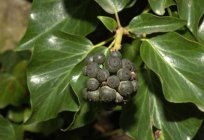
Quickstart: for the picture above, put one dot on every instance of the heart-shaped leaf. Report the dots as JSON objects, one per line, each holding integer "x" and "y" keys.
{"x": 151, "y": 117}
{"x": 71, "y": 16}
{"x": 158, "y": 6}
{"x": 192, "y": 11}
{"x": 50, "y": 71}
{"x": 110, "y": 23}
{"x": 179, "y": 64}
{"x": 113, "y": 6}
{"x": 9, "y": 131}
{"x": 148, "y": 23}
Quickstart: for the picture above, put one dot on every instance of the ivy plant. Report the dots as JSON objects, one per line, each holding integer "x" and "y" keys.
{"x": 164, "y": 39}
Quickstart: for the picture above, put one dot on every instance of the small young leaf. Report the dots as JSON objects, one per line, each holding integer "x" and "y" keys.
{"x": 179, "y": 64}
{"x": 158, "y": 6}
{"x": 110, "y": 23}
{"x": 112, "y": 6}
{"x": 148, "y": 23}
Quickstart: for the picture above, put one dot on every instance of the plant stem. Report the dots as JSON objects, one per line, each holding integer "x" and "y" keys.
{"x": 104, "y": 42}
{"x": 169, "y": 11}
{"x": 118, "y": 39}
{"x": 117, "y": 19}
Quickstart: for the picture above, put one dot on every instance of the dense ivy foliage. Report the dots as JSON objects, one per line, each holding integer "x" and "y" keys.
{"x": 164, "y": 39}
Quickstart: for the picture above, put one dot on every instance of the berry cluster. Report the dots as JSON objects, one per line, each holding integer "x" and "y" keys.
{"x": 110, "y": 79}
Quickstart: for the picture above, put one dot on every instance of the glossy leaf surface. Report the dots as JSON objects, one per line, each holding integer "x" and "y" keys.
{"x": 110, "y": 23}
{"x": 191, "y": 11}
{"x": 54, "y": 58}
{"x": 179, "y": 64}
{"x": 71, "y": 16}
{"x": 112, "y": 6}
{"x": 148, "y": 23}
{"x": 151, "y": 117}
{"x": 158, "y": 6}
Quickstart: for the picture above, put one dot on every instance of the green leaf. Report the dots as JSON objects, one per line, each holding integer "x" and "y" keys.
{"x": 71, "y": 16}
{"x": 179, "y": 64}
{"x": 191, "y": 11}
{"x": 158, "y": 6}
{"x": 8, "y": 131}
{"x": 112, "y": 6}
{"x": 148, "y": 23}
{"x": 46, "y": 127}
{"x": 50, "y": 71}
{"x": 201, "y": 31}
{"x": 151, "y": 117}
{"x": 88, "y": 111}
{"x": 110, "y": 23}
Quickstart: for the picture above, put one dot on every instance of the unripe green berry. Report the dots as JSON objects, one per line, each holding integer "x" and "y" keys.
{"x": 118, "y": 98}
{"x": 89, "y": 59}
{"x": 93, "y": 95}
{"x": 107, "y": 94}
{"x": 124, "y": 74}
{"x": 116, "y": 54}
{"x": 99, "y": 58}
{"x": 113, "y": 64}
{"x": 113, "y": 81}
{"x": 92, "y": 84}
{"x": 102, "y": 75}
{"x": 92, "y": 69}
{"x": 127, "y": 64}
{"x": 125, "y": 88}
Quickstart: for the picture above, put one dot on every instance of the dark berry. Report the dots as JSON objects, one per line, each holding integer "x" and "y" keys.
{"x": 102, "y": 75}
{"x": 93, "y": 95}
{"x": 125, "y": 88}
{"x": 116, "y": 54}
{"x": 124, "y": 74}
{"x": 113, "y": 81}
{"x": 88, "y": 60}
{"x": 92, "y": 69}
{"x": 127, "y": 64}
{"x": 92, "y": 84}
{"x": 113, "y": 64}
{"x": 118, "y": 98}
{"x": 99, "y": 58}
{"x": 134, "y": 84}
{"x": 107, "y": 94}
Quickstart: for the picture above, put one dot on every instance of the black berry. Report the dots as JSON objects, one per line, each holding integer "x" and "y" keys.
{"x": 92, "y": 84}
{"x": 113, "y": 81}
{"x": 107, "y": 94}
{"x": 89, "y": 59}
{"x": 125, "y": 88}
{"x": 113, "y": 64}
{"x": 92, "y": 69}
{"x": 99, "y": 58}
{"x": 116, "y": 54}
{"x": 127, "y": 64}
{"x": 118, "y": 98}
{"x": 124, "y": 74}
{"x": 102, "y": 75}
{"x": 93, "y": 96}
